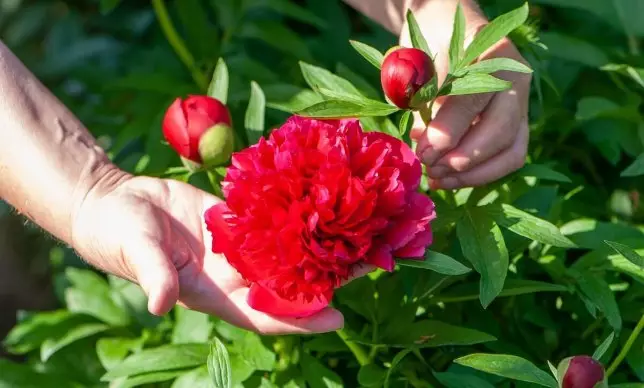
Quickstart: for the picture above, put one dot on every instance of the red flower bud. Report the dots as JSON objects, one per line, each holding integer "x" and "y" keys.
{"x": 581, "y": 372}
{"x": 404, "y": 71}
{"x": 186, "y": 121}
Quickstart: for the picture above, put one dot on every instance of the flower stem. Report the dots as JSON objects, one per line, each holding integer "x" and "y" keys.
{"x": 627, "y": 347}
{"x": 356, "y": 349}
{"x": 177, "y": 43}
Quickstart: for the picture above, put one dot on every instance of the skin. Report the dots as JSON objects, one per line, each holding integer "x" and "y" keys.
{"x": 474, "y": 139}
{"x": 151, "y": 231}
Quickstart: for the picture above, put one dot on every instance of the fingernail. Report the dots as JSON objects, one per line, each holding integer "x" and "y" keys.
{"x": 416, "y": 132}
{"x": 449, "y": 183}
{"x": 429, "y": 156}
{"x": 434, "y": 184}
{"x": 438, "y": 171}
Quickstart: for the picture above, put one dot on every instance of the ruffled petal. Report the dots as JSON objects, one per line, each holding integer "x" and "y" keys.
{"x": 266, "y": 300}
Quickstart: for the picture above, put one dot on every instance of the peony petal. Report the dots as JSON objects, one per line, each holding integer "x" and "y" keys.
{"x": 222, "y": 237}
{"x": 381, "y": 257}
{"x": 263, "y": 299}
{"x": 416, "y": 247}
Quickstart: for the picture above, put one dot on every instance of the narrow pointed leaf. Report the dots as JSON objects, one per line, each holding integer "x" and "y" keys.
{"x": 417, "y": 38}
{"x": 218, "y": 87}
{"x": 489, "y": 66}
{"x": 437, "y": 262}
{"x": 509, "y": 366}
{"x": 496, "y": 30}
{"x": 475, "y": 84}
{"x": 371, "y": 54}
{"x": 219, "y": 365}
{"x": 254, "y": 119}
{"x": 406, "y": 121}
{"x": 457, "y": 43}
{"x": 344, "y": 109}
{"x": 483, "y": 245}
{"x": 627, "y": 252}
{"x": 603, "y": 347}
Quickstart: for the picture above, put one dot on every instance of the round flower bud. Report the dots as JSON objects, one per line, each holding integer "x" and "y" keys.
{"x": 404, "y": 71}
{"x": 186, "y": 121}
{"x": 216, "y": 145}
{"x": 581, "y": 372}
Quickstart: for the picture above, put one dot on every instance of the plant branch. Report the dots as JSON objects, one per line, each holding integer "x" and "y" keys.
{"x": 177, "y": 43}
{"x": 356, "y": 349}
{"x": 627, "y": 347}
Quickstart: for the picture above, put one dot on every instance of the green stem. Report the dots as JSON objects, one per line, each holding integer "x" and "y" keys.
{"x": 627, "y": 347}
{"x": 215, "y": 182}
{"x": 356, "y": 349}
{"x": 177, "y": 43}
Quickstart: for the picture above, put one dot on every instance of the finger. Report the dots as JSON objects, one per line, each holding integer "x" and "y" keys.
{"x": 497, "y": 167}
{"x": 495, "y": 132}
{"x": 155, "y": 273}
{"x": 326, "y": 320}
{"x": 452, "y": 121}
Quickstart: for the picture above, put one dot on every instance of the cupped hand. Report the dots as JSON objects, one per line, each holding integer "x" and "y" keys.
{"x": 476, "y": 139}
{"x": 151, "y": 231}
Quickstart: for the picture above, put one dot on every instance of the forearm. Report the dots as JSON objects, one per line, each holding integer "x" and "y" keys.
{"x": 48, "y": 160}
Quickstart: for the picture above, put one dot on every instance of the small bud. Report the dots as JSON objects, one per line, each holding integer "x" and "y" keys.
{"x": 404, "y": 71}
{"x": 186, "y": 121}
{"x": 581, "y": 372}
{"x": 216, "y": 145}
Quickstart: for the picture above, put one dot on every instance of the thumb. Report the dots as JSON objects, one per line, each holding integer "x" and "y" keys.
{"x": 154, "y": 272}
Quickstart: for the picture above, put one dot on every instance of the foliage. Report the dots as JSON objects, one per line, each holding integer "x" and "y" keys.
{"x": 524, "y": 272}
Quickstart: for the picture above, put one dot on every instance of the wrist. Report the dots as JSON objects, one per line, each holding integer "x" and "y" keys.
{"x": 97, "y": 181}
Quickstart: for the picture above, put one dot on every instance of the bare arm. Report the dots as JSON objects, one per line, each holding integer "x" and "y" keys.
{"x": 48, "y": 160}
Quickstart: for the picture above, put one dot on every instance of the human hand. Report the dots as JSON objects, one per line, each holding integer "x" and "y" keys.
{"x": 151, "y": 231}
{"x": 474, "y": 139}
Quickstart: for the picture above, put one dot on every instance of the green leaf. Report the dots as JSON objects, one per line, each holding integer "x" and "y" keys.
{"x": 345, "y": 109}
{"x": 488, "y": 66}
{"x": 496, "y": 30}
{"x": 219, "y": 367}
{"x": 598, "y": 292}
{"x": 29, "y": 334}
{"x": 317, "y": 77}
{"x": 162, "y": 358}
{"x": 627, "y": 252}
{"x": 111, "y": 351}
{"x": 290, "y": 98}
{"x": 346, "y": 96}
{"x": 474, "y": 84}
{"x": 196, "y": 378}
{"x": 394, "y": 363}
{"x": 108, "y": 6}
{"x": 98, "y": 305}
{"x": 372, "y": 55}
{"x": 526, "y": 225}
{"x": 51, "y": 346}
{"x": 254, "y": 119}
{"x": 461, "y": 380}
{"x": 371, "y": 375}
{"x": 317, "y": 375}
{"x": 417, "y": 38}
{"x": 483, "y": 245}
{"x": 278, "y": 36}
{"x": 603, "y": 347}
{"x": 218, "y": 87}
{"x": 512, "y": 287}
{"x": 431, "y": 333}
{"x": 425, "y": 94}
{"x": 148, "y": 378}
{"x": 508, "y": 366}
{"x": 457, "y": 43}
{"x": 635, "y": 169}
{"x": 251, "y": 349}
{"x": 23, "y": 376}
{"x": 190, "y": 326}
{"x": 406, "y": 122}
{"x": 541, "y": 171}
{"x": 437, "y": 262}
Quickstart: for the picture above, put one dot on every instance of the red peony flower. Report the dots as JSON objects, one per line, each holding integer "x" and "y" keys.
{"x": 582, "y": 372}
{"x": 404, "y": 71}
{"x": 306, "y": 206}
